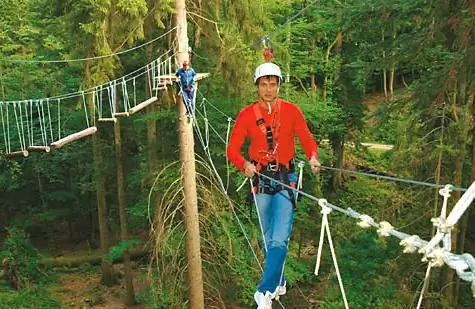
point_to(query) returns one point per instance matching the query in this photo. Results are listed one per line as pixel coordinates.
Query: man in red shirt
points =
(271, 124)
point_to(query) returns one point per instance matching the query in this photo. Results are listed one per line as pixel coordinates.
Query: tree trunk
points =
(108, 278)
(124, 232)
(393, 67)
(312, 72)
(458, 233)
(391, 80)
(187, 157)
(439, 166)
(385, 74)
(151, 109)
(463, 223)
(327, 59)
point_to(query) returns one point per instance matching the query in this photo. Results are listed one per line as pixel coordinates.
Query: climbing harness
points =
(272, 167)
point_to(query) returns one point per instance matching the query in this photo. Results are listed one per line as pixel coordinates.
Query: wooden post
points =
(187, 156)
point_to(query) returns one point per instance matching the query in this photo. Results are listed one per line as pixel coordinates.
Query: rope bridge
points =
(39, 124)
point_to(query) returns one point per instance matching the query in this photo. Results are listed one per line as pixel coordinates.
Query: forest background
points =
(398, 73)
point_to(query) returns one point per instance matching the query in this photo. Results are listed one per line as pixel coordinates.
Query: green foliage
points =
(368, 272)
(19, 260)
(116, 251)
(31, 298)
(333, 54)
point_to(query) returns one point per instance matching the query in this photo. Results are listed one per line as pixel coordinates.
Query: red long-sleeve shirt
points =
(292, 122)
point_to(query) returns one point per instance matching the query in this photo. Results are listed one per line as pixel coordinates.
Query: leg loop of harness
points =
(267, 186)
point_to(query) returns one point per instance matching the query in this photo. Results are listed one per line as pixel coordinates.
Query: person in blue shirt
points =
(186, 79)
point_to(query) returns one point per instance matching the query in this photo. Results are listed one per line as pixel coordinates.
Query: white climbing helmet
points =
(267, 69)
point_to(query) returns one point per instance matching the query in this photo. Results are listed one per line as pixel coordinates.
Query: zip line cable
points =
(91, 58)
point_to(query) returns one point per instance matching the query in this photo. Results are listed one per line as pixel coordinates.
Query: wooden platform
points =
(163, 81)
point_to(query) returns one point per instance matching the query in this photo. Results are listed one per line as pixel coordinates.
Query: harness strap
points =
(274, 171)
(266, 130)
(284, 175)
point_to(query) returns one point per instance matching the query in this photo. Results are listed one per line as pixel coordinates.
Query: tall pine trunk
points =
(463, 223)
(124, 231)
(108, 278)
(152, 156)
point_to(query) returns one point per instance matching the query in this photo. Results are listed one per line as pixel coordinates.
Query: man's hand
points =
(249, 169)
(314, 164)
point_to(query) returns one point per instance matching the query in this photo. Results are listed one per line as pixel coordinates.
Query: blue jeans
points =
(276, 214)
(188, 100)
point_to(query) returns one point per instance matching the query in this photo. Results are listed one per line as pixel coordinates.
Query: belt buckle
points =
(272, 167)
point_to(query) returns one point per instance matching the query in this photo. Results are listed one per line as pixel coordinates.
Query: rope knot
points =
(410, 243)
(385, 229)
(445, 191)
(464, 265)
(366, 221)
(301, 164)
(435, 257)
(442, 225)
(324, 204)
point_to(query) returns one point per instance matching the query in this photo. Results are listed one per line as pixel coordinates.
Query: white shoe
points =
(279, 291)
(263, 301)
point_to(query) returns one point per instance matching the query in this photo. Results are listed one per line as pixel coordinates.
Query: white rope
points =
(445, 225)
(3, 126)
(50, 122)
(135, 94)
(301, 164)
(41, 122)
(150, 80)
(156, 76)
(94, 109)
(59, 119)
(463, 264)
(29, 123)
(206, 125)
(258, 215)
(85, 109)
(125, 96)
(242, 185)
(114, 95)
(99, 101)
(95, 57)
(424, 286)
(129, 76)
(8, 129)
(110, 99)
(226, 149)
(326, 227)
(200, 137)
(18, 125)
(439, 223)
(208, 154)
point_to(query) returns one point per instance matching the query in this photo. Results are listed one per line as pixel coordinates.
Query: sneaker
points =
(263, 301)
(279, 291)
